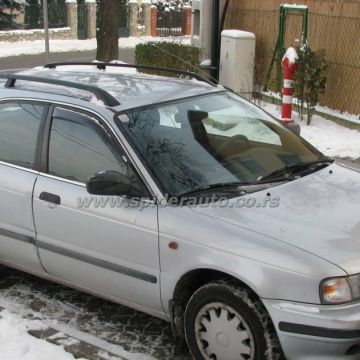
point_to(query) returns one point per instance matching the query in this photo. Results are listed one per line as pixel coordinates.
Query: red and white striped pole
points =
(289, 66)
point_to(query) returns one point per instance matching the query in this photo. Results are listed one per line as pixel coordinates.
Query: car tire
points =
(224, 321)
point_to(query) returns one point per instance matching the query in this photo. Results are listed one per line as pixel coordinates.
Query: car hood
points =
(319, 213)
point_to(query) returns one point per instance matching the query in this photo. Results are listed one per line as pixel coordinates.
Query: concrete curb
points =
(76, 347)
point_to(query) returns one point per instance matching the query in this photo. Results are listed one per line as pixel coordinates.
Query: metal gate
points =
(124, 20)
(169, 23)
(81, 14)
(33, 14)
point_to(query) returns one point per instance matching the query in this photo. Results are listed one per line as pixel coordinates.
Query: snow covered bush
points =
(167, 5)
(7, 8)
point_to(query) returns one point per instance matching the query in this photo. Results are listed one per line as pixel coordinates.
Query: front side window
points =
(19, 128)
(80, 147)
(213, 139)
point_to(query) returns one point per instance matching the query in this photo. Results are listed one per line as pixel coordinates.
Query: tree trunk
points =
(309, 114)
(108, 30)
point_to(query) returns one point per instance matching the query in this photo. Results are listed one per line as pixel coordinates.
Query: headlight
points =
(340, 290)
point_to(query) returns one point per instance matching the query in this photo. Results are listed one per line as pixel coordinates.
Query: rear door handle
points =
(51, 198)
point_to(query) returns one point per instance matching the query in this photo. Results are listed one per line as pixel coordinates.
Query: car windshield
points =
(213, 139)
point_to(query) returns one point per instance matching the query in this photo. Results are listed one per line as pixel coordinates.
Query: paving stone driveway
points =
(118, 325)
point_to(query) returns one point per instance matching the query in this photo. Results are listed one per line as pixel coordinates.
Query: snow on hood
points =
(319, 213)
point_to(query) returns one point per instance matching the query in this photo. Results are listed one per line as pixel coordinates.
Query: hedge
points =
(168, 54)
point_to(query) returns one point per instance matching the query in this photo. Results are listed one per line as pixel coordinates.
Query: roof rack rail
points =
(103, 65)
(101, 94)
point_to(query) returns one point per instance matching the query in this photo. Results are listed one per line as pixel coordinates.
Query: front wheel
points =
(226, 322)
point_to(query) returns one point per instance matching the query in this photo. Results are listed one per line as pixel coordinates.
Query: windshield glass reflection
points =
(213, 139)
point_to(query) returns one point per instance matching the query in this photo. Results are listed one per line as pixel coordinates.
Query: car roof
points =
(131, 88)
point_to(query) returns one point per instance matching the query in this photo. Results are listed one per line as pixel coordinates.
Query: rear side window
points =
(81, 147)
(19, 128)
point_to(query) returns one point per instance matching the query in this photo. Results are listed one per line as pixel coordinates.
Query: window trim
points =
(22, 168)
(39, 135)
(169, 102)
(90, 119)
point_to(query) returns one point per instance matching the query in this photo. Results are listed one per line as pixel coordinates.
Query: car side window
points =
(80, 147)
(19, 129)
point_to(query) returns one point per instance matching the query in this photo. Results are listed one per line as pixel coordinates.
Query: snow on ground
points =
(37, 46)
(343, 115)
(323, 109)
(18, 317)
(330, 138)
(17, 344)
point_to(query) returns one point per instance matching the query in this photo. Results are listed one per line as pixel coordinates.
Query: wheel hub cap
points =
(222, 339)
(222, 334)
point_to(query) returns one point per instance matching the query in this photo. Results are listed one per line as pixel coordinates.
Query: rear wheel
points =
(226, 322)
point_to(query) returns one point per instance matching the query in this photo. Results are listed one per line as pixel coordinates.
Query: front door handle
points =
(51, 198)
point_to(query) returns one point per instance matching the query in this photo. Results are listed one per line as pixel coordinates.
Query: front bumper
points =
(309, 332)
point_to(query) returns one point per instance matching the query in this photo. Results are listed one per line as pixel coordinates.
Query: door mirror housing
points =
(295, 128)
(113, 183)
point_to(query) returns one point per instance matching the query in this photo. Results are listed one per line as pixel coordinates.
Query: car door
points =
(20, 124)
(102, 244)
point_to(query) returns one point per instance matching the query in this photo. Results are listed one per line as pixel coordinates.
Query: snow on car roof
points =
(129, 87)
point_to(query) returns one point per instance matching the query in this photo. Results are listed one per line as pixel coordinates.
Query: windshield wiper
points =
(217, 186)
(296, 168)
(275, 176)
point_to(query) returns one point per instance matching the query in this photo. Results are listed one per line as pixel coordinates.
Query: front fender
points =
(271, 268)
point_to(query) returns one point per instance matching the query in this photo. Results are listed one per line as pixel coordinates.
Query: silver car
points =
(180, 199)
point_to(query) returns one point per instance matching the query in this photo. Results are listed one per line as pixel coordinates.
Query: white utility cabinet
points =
(237, 61)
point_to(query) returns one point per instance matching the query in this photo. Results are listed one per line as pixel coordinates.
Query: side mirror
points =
(113, 183)
(295, 128)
